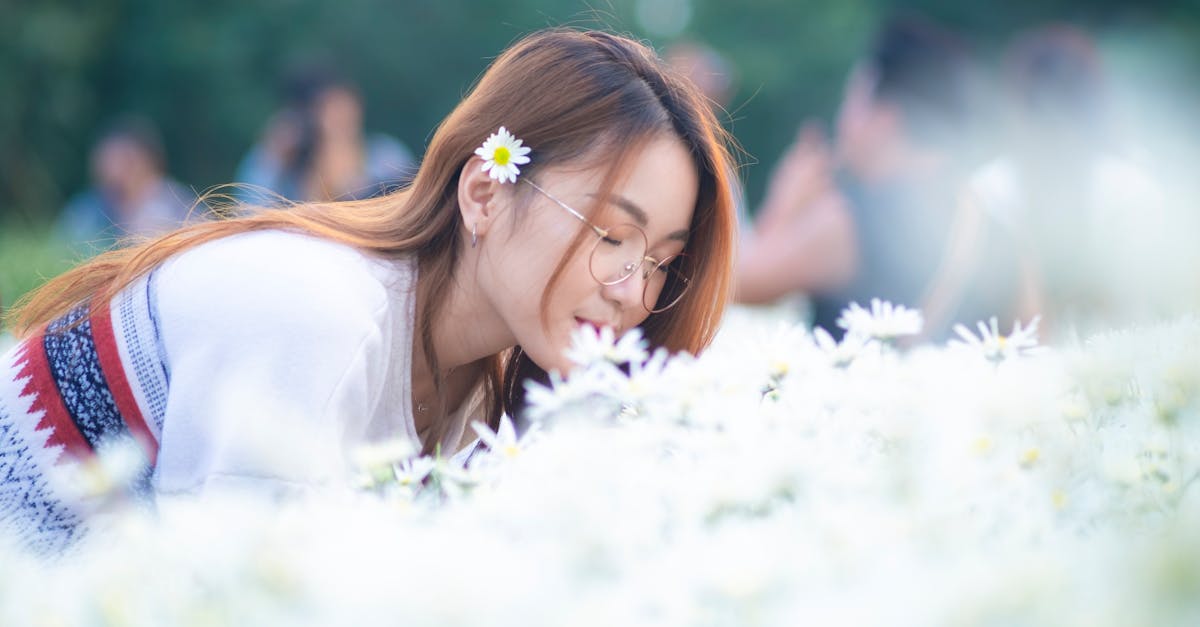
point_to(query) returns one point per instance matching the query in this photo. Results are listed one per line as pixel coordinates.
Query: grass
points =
(29, 256)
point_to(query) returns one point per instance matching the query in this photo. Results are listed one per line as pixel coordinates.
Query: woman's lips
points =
(596, 326)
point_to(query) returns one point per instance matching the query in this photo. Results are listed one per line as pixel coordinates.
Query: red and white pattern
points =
(79, 384)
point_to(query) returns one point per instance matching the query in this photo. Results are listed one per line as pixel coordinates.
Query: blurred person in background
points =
(716, 78)
(315, 148)
(809, 252)
(870, 215)
(802, 237)
(1089, 222)
(706, 67)
(131, 194)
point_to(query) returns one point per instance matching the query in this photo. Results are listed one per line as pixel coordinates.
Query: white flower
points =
(590, 346)
(111, 474)
(996, 347)
(544, 400)
(588, 394)
(841, 354)
(411, 472)
(504, 441)
(375, 462)
(929, 465)
(884, 321)
(383, 454)
(450, 480)
(501, 154)
(645, 376)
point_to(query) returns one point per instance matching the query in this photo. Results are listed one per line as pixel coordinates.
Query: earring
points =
(474, 237)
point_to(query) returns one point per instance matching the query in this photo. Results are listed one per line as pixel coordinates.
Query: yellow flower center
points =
(501, 156)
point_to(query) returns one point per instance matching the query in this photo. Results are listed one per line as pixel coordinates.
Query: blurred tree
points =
(207, 72)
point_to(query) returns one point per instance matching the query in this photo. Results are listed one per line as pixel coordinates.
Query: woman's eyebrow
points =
(639, 215)
(632, 209)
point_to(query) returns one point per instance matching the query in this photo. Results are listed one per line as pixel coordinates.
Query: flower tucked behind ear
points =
(501, 155)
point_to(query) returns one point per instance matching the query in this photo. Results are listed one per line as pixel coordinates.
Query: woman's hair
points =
(574, 97)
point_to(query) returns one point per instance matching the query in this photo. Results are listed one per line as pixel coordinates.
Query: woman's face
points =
(658, 195)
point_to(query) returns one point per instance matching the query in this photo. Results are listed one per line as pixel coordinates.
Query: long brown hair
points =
(563, 92)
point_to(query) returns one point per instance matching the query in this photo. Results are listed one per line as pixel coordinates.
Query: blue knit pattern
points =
(34, 511)
(34, 515)
(71, 352)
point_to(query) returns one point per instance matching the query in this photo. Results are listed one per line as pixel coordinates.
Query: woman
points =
(254, 352)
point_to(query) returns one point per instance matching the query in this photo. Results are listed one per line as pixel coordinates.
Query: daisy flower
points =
(587, 393)
(841, 354)
(884, 321)
(412, 471)
(504, 441)
(590, 346)
(375, 462)
(501, 154)
(111, 474)
(383, 453)
(997, 347)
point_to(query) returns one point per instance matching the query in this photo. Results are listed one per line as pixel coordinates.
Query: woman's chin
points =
(549, 351)
(561, 364)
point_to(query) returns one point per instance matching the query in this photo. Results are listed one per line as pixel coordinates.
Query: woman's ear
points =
(478, 194)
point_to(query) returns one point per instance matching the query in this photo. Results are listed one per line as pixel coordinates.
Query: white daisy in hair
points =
(884, 321)
(995, 346)
(501, 154)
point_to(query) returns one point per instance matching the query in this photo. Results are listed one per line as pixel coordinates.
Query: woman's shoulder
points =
(280, 271)
(268, 245)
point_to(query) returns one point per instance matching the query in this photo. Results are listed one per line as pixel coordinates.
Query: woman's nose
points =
(629, 291)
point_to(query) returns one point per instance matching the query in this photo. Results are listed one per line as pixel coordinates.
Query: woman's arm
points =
(273, 341)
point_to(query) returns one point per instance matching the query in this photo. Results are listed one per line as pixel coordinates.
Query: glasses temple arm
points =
(599, 231)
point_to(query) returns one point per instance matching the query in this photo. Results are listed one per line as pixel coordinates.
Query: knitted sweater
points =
(254, 362)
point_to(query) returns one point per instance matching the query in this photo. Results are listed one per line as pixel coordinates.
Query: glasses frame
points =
(631, 267)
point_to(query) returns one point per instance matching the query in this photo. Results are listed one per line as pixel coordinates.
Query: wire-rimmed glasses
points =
(620, 251)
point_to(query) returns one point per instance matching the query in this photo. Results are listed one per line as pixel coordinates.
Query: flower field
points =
(781, 478)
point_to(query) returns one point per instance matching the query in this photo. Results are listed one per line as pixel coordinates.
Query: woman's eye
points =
(612, 241)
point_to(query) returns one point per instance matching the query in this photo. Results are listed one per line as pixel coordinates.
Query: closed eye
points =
(670, 264)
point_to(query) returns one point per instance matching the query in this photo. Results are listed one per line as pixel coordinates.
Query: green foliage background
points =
(206, 72)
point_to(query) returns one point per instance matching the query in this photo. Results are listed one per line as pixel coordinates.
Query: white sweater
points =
(284, 353)
(257, 362)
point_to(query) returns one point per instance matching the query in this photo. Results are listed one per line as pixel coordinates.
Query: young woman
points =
(580, 183)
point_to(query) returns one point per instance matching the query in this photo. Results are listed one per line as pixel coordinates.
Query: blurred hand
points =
(814, 248)
(282, 136)
(802, 177)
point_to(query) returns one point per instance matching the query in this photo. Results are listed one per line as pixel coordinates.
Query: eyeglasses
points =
(620, 251)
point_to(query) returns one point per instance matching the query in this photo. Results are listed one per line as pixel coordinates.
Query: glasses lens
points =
(618, 255)
(667, 284)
